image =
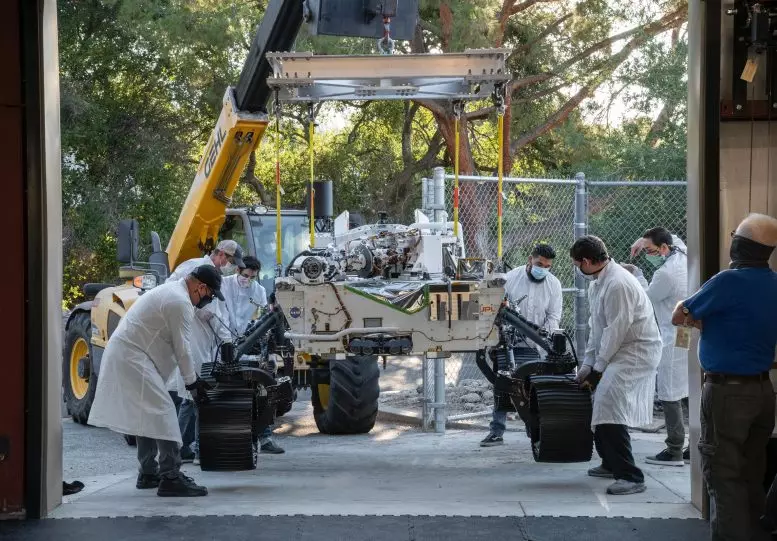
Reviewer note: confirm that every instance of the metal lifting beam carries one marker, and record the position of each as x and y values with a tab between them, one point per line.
303	77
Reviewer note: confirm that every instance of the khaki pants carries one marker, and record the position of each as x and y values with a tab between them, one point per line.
737	420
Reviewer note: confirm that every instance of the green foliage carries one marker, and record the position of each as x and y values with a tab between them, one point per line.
143	80
142	83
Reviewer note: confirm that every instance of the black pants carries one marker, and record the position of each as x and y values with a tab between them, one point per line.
737	420
169	462
613	444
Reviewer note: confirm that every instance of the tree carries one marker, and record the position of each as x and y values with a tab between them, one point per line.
141	82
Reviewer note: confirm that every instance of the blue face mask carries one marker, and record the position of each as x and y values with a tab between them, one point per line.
540	273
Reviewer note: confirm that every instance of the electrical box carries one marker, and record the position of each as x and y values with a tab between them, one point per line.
361	18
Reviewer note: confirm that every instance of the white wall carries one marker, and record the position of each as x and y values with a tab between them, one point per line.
52	261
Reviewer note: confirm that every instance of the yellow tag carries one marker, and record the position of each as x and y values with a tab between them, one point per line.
682	337
748	74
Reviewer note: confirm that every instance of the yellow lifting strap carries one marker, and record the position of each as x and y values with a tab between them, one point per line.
278	236
456	178
500	174
311	133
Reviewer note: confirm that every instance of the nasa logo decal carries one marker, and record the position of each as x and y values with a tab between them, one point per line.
295	312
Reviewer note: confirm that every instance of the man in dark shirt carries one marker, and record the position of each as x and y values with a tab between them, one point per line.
735	311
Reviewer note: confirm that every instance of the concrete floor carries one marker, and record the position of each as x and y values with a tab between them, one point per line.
373	528
395	470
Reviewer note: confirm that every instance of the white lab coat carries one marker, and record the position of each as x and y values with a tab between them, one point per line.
669	286
208	331
625	345
543	303
242	302
151	341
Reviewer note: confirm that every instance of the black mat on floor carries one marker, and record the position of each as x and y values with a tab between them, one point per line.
378	528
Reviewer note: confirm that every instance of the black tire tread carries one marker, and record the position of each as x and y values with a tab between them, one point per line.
560	427
80	327
226	438
353	396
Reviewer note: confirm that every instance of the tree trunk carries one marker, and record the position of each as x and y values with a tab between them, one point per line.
250	178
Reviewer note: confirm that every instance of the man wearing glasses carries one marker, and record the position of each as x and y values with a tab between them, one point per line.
244	298
735	312
669	285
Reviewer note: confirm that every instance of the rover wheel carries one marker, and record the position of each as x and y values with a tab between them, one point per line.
560	420
348	402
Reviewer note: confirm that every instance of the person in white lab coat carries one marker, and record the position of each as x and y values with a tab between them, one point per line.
244	298
152	339
539	299
208	331
668	286
622	354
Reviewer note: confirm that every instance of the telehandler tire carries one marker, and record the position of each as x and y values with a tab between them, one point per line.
78	390
348	402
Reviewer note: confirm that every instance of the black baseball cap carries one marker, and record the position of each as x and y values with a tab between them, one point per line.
208	275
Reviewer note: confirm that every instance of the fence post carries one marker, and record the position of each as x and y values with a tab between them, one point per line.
424	195
438	183
439	395
580	230
428	392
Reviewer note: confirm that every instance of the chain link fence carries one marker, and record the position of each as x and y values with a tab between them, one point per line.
621	212
552	211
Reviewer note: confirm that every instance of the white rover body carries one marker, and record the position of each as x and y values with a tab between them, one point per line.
390	289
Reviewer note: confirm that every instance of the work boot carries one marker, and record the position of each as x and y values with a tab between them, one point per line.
180	486
492	440
687	455
270	448
187	455
147	480
621	487
600	471
666	458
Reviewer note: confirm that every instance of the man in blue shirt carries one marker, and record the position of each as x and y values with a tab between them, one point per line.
735	311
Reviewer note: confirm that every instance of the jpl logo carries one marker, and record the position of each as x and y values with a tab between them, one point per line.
295	312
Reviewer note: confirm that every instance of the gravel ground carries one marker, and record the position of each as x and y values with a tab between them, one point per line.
469	396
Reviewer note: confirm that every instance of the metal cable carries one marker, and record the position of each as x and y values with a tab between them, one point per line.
752	140
278	236
456	160
311	134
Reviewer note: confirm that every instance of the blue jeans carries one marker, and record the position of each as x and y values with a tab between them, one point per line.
176	400
266	434
498	423
189	423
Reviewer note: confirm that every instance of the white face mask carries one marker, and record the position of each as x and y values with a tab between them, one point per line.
243	281
228	269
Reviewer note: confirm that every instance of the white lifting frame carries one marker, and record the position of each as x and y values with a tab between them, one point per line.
304	77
